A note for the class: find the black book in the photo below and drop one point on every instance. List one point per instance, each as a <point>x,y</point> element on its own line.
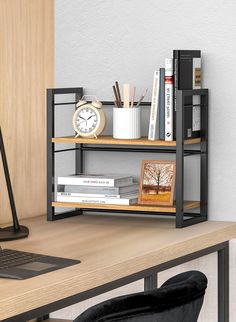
<point>162,105</point>
<point>187,75</point>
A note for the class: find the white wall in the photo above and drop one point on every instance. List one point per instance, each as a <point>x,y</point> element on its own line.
<point>98,42</point>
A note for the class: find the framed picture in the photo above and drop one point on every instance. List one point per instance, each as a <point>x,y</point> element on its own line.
<point>157,182</point>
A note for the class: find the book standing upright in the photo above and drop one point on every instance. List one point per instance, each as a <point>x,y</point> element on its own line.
<point>162,105</point>
<point>187,75</point>
<point>169,99</point>
<point>153,133</point>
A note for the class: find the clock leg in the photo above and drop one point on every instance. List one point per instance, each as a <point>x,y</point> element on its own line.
<point>77,135</point>
<point>95,136</point>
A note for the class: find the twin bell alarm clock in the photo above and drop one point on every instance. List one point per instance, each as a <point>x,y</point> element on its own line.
<point>89,119</point>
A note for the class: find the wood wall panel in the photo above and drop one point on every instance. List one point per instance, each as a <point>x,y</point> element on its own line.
<point>26,69</point>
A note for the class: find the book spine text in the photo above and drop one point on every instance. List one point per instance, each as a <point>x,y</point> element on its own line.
<point>169,99</point>
<point>153,133</point>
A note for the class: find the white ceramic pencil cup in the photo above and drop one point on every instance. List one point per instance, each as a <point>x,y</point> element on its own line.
<point>126,123</point>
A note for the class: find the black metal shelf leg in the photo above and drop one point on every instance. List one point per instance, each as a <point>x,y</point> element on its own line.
<point>204,156</point>
<point>179,159</point>
<point>150,282</point>
<point>79,154</point>
<point>223,284</point>
<point>50,154</point>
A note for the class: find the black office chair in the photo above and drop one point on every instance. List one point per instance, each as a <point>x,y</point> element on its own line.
<point>179,299</point>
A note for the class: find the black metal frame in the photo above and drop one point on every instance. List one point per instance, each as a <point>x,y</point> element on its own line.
<point>181,95</point>
<point>78,92</point>
<point>183,218</point>
<point>150,282</point>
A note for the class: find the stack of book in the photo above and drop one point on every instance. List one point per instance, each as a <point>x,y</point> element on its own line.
<point>183,71</point>
<point>97,189</point>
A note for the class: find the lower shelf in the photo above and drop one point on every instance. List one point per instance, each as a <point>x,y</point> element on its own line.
<point>137,207</point>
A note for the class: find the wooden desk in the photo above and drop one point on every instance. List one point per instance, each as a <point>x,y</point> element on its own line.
<point>114,251</point>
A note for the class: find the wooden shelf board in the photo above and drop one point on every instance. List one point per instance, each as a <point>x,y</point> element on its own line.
<point>137,207</point>
<point>110,140</point>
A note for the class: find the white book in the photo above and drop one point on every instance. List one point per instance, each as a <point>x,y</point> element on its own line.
<point>129,189</point>
<point>90,195</point>
<point>96,180</point>
<point>153,133</point>
<point>169,92</point>
<point>132,199</point>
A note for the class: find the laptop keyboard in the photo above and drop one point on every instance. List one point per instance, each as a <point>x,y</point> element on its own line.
<point>12,258</point>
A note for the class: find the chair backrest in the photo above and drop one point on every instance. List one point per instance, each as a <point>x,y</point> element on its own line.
<point>179,299</point>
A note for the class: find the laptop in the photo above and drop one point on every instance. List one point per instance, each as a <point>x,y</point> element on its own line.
<point>20,265</point>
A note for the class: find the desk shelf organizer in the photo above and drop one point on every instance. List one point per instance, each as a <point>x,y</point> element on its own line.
<point>181,208</point>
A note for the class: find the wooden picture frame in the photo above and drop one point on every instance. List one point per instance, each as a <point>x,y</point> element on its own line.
<point>157,182</point>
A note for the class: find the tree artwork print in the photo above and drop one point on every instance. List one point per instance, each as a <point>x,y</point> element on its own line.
<point>157,182</point>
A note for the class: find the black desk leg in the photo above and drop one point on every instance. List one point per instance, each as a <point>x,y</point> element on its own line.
<point>43,318</point>
<point>223,284</point>
<point>150,282</point>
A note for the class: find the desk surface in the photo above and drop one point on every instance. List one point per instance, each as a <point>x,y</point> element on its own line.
<point>110,247</point>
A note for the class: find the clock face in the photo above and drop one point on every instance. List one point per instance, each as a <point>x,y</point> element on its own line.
<point>86,120</point>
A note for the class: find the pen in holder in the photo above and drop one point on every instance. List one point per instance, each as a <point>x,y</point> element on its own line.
<point>126,123</point>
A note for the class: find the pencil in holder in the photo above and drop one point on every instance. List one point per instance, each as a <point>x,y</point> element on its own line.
<point>126,123</point>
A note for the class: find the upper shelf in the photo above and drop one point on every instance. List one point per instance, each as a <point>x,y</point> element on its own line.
<point>107,139</point>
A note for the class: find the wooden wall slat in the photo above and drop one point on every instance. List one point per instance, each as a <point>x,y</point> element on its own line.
<point>26,69</point>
